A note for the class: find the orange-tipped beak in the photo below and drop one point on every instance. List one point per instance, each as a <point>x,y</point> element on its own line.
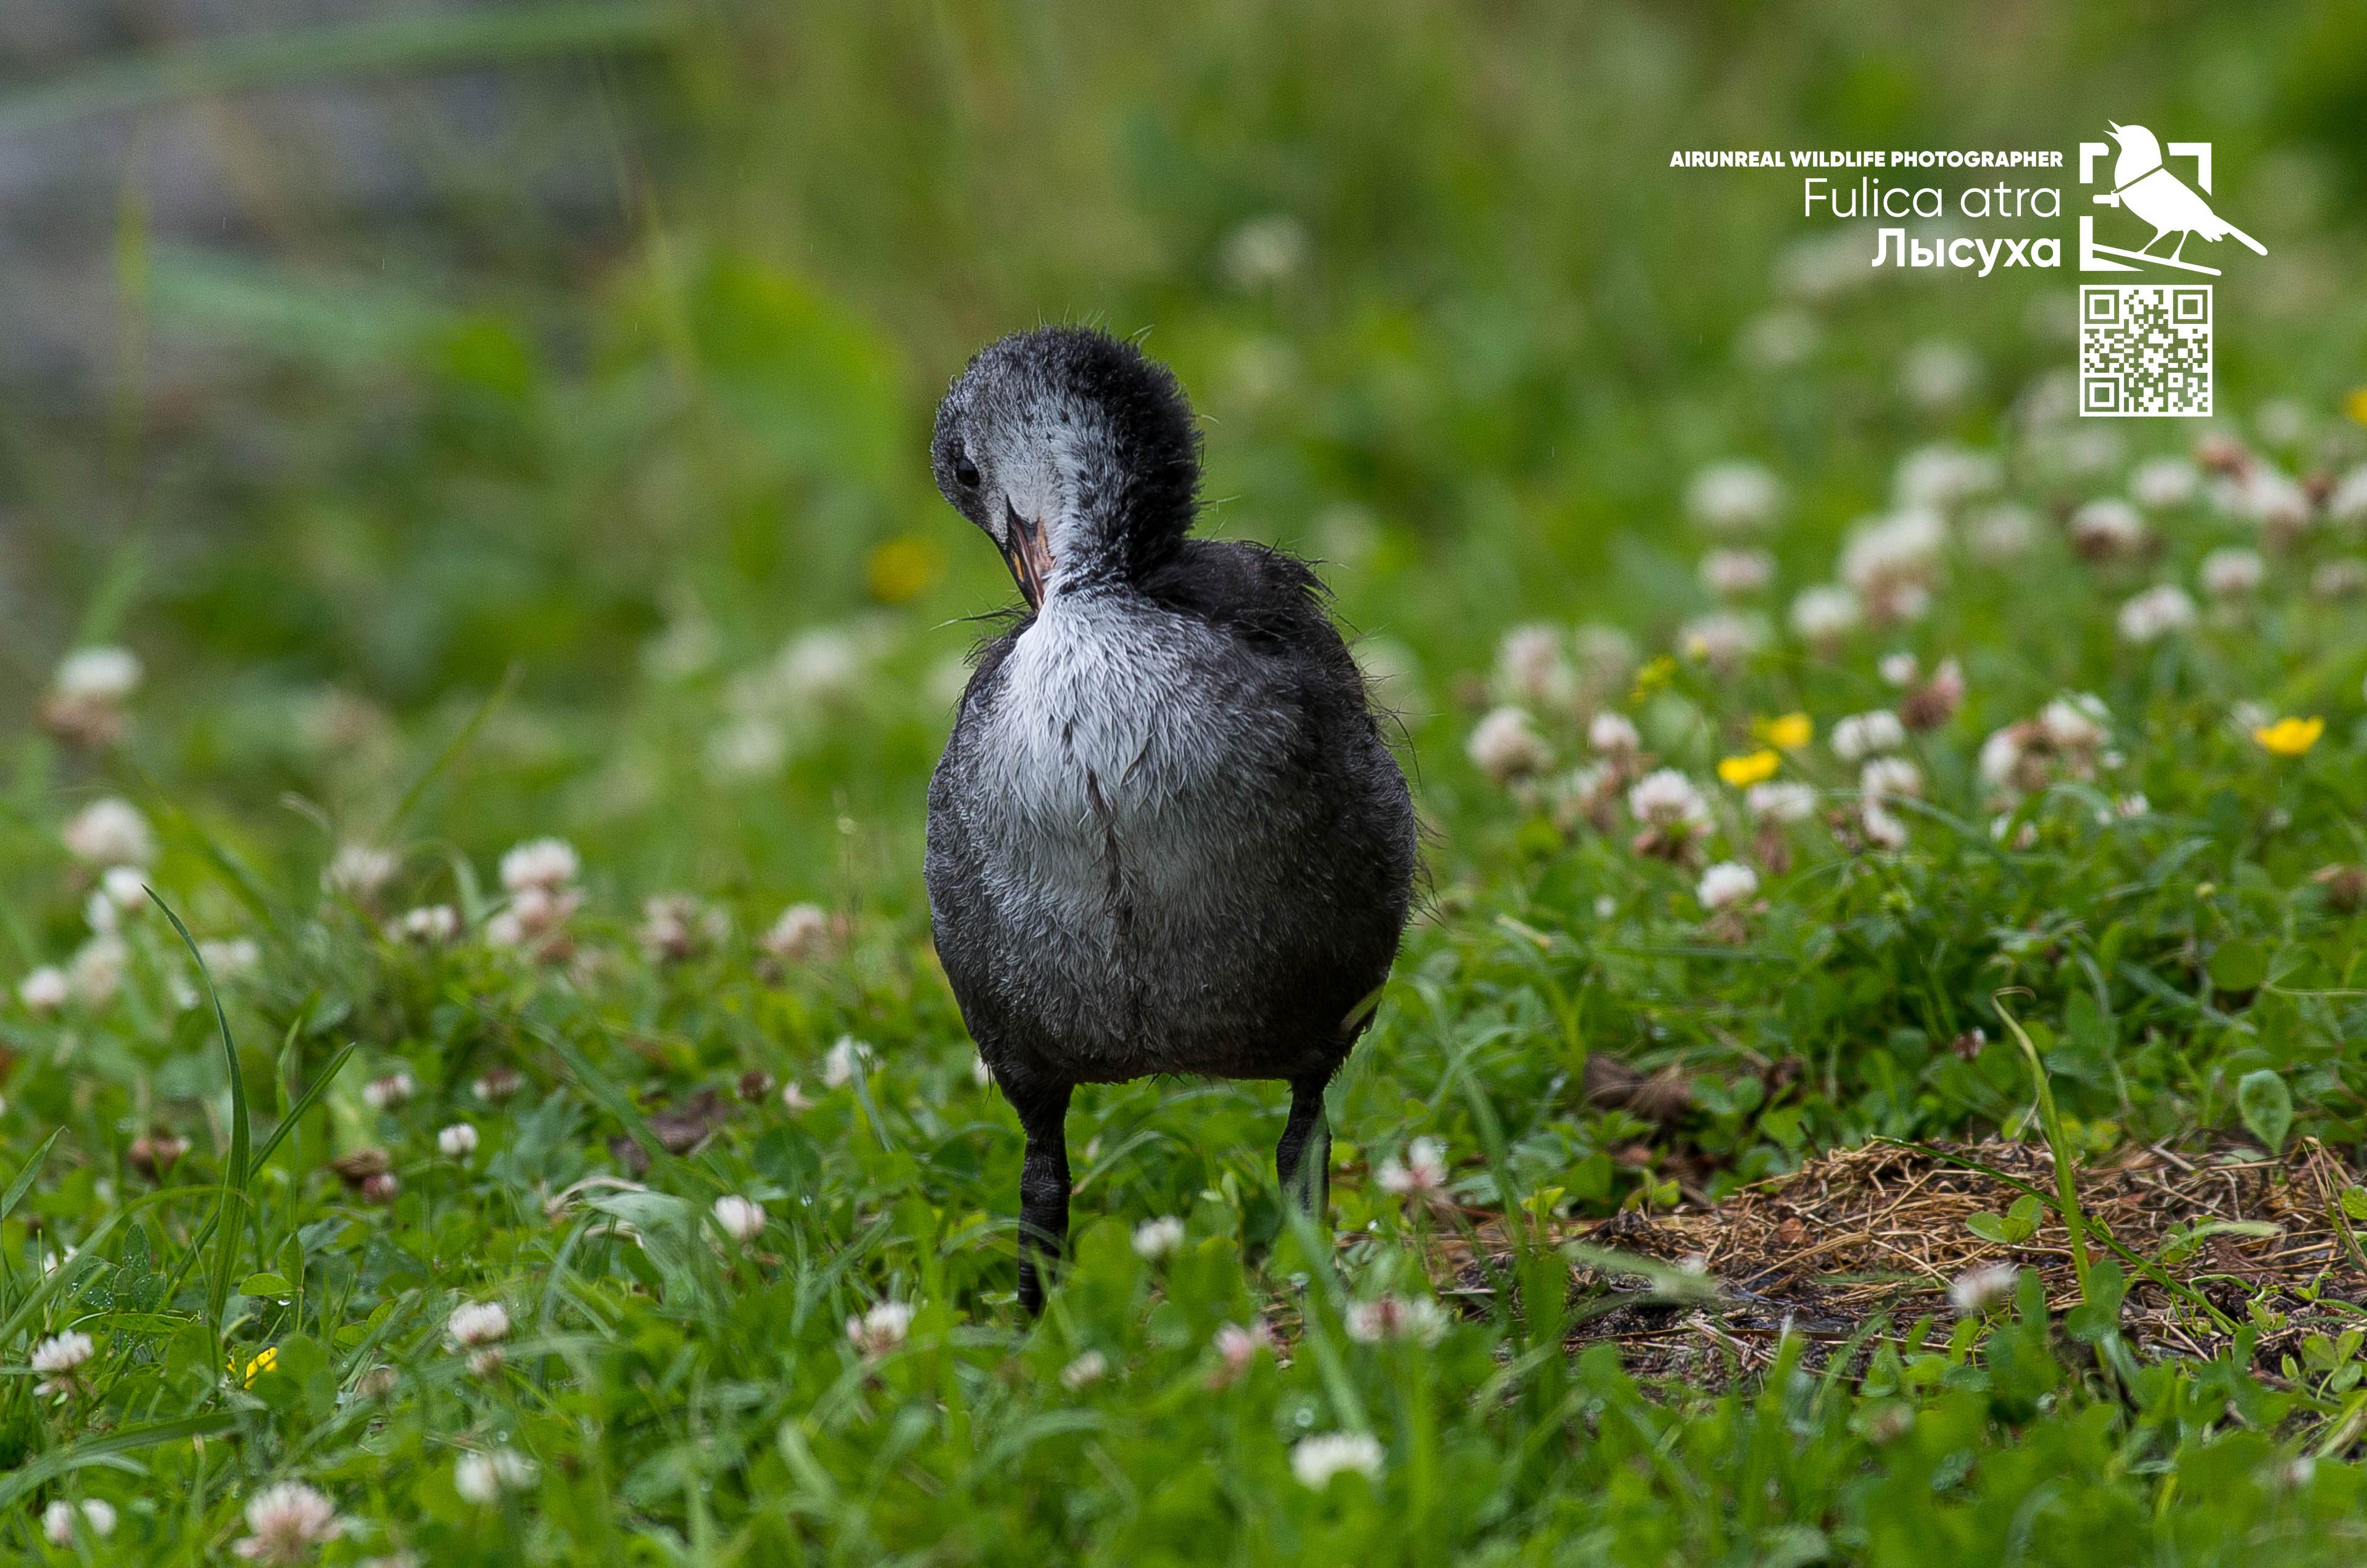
<point>1029,558</point>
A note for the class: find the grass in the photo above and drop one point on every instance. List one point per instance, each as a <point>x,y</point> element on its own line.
<point>514,519</point>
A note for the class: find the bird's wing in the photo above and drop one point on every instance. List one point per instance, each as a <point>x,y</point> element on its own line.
<point>2167,202</point>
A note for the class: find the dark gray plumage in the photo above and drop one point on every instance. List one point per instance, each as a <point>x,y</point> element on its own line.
<point>1166,835</point>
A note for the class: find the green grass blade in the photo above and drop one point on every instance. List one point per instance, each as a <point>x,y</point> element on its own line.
<point>230,1214</point>
<point>452,751</point>
<point>2058,1141</point>
<point>106,1445</point>
<point>418,41</point>
<point>25,1177</point>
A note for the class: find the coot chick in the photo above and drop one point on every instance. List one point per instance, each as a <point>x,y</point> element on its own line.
<point>1166,835</point>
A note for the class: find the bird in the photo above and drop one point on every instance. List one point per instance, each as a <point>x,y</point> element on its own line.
<point>2143,184</point>
<point>1167,835</point>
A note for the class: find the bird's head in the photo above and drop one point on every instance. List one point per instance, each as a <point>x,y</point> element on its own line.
<point>1075,454</point>
<point>2136,140</point>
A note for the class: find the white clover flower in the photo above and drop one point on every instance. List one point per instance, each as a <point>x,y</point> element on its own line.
<point>881,1329</point>
<point>1824,614</point>
<point>2003,531</point>
<point>2231,573</point>
<point>848,1057</point>
<point>2002,754</point>
<point>1532,668</point>
<point>1238,1347</point>
<point>1264,252</point>
<point>1158,1238</point>
<point>433,925</point>
<point>482,1478</point>
<point>96,972</point>
<point>289,1523</point>
<point>1722,639</point>
<point>1892,560</point>
<point>1898,669</point>
<point>743,1218</point>
<point>1316,1460</point>
<point>1087,1369</point>
<point>535,911</point>
<point>1979,1290</point>
<point>1733,496</point>
<point>1421,1175</point>
<point>58,1519</point>
<point>1941,477</point>
<point>800,936</point>
<point>1890,777</point>
<point>1939,374</point>
<point>2155,613</point>
<point>1505,745</point>
<point>2271,499</point>
<point>1726,885</point>
<point>1666,798</point>
<point>230,956</point>
<point>2348,501</point>
<point>676,926</point>
<point>1388,1319</point>
<point>58,1359</point>
<point>1778,339</point>
<point>2340,579</point>
<point>1736,574</point>
<point>1781,800</point>
<point>45,990</point>
<point>750,747</point>
<point>2076,721</point>
<point>457,1142</point>
<point>359,871</point>
<point>124,887</point>
<point>1861,735</point>
<point>794,1100</point>
<point>105,674</point>
<point>109,831</point>
<point>2107,528</point>
<point>391,1090</point>
<point>474,1325</point>
<point>2162,482</point>
<point>1613,734</point>
<point>1883,828</point>
<point>547,864</point>
<point>820,666</point>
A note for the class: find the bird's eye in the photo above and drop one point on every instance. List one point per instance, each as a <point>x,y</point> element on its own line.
<point>965,470</point>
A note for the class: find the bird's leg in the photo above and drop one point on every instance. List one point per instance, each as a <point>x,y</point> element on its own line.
<point>1043,1190</point>
<point>2146,248</point>
<point>2180,249</point>
<point>1303,1158</point>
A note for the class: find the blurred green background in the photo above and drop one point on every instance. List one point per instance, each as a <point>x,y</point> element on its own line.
<point>360,353</point>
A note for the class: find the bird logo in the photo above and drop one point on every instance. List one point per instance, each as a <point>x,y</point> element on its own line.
<point>2144,186</point>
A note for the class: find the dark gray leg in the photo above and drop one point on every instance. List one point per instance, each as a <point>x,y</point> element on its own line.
<point>1042,1190</point>
<point>1303,1158</point>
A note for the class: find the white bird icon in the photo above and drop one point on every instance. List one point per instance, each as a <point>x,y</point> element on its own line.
<point>2143,185</point>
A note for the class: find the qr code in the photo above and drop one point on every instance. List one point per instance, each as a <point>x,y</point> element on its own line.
<point>2145,348</point>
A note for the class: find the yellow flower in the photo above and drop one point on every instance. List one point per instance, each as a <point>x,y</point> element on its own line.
<point>1652,678</point>
<point>1787,731</point>
<point>264,1360</point>
<point>2355,405</point>
<point>2289,737</point>
<point>1752,768</point>
<point>903,568</point>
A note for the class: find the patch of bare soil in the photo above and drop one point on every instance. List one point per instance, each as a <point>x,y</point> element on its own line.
<point>1865,1242</point>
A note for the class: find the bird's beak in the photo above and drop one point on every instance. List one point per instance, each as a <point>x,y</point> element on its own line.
<point>2117,128</point>
<point>1029,558</point>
